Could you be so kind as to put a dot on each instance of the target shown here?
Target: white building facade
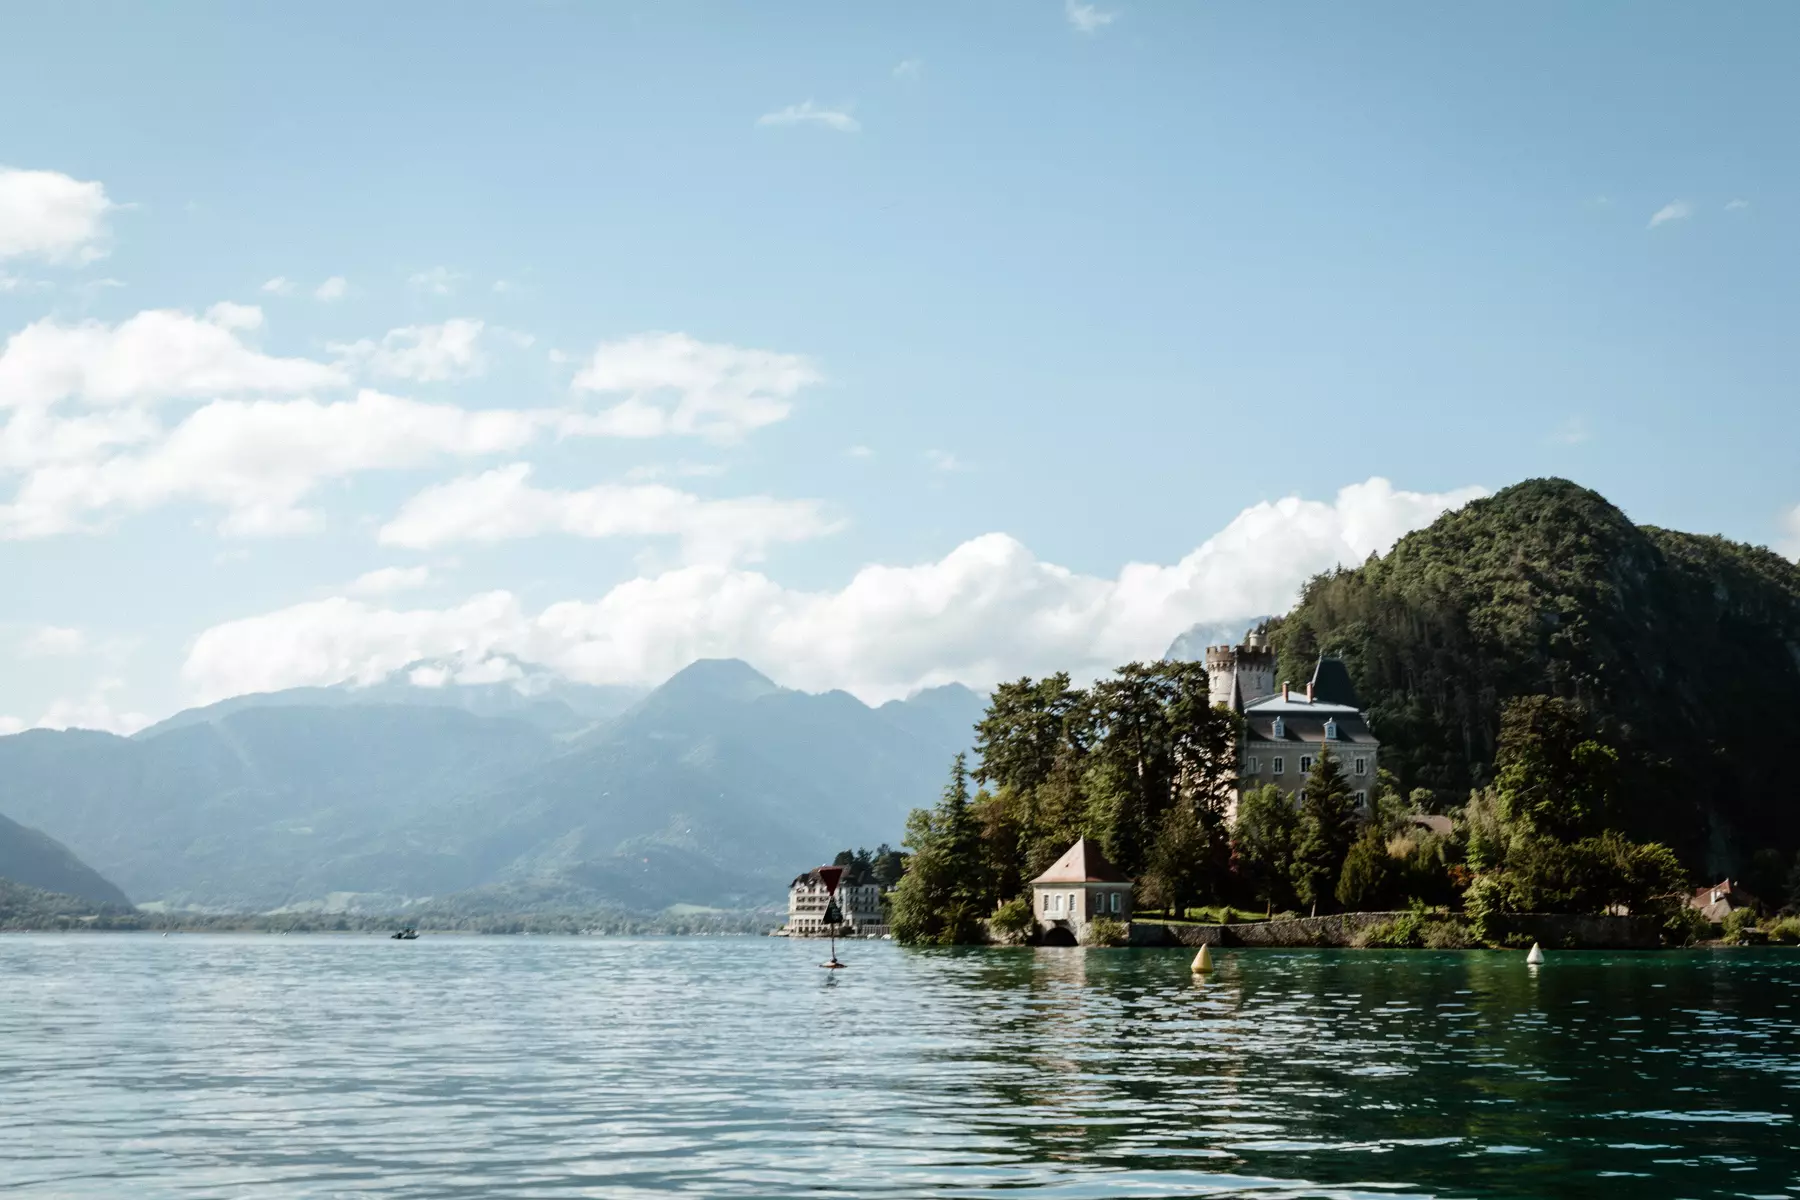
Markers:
(858, 904)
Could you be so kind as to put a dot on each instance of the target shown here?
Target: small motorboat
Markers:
(409, 934)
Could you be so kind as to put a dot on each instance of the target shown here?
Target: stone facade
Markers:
(1285, 728)
(1079, 888)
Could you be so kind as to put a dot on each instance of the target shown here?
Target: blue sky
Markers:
(875, 345)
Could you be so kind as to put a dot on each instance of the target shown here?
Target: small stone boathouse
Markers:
(1079, 887)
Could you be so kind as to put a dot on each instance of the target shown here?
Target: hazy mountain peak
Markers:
(724, 678)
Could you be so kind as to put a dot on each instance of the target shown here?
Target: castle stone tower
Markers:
(1251, 666)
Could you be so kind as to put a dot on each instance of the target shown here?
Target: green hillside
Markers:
(1685, 648)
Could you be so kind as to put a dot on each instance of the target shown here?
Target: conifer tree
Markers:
(1327, 828)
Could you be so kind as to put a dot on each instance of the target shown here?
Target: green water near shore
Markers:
(336, 1066)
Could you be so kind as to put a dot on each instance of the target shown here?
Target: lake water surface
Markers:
(282, 1067)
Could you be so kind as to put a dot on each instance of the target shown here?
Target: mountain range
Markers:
(713, 789)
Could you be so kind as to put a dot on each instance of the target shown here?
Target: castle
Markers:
(1285, 728)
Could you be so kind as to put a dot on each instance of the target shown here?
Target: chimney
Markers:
(1309, 688)
(1284, 688)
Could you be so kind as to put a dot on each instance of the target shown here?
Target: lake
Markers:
(279, 1067)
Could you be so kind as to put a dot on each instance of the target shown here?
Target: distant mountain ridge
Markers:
(36, 860)
(711, 789)
(525, 690)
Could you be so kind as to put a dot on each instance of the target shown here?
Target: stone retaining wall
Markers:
(1554, 930)
(1334, 930)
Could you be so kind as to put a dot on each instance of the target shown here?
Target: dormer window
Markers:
(1331, 731)
(1280, 728)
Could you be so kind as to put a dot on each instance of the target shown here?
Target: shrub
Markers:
(1104, 931)
(1685, 926)
(1418, 929)
(1739, 924)
(1785, 931)
(1012, 920)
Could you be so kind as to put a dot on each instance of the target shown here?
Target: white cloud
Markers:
(1676, 210)
(1736, 205)
(1572, 432)
(1085, 18)
(332, 289)
(11, 725)
(93, 711)
(54, 641)
(808, 113)
(860, 452)
(279, 286)
(908, 69)
(1790, 528)
(50, 216)
(389, 580)
(439, 281)
(501, 504)
(422, 353)
(156, 355)
(943, 460)
(988, 610)
(675, 384)
(259, 460)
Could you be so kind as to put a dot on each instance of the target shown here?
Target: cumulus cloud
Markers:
(438, 281)
(988, 610)
(259, 460)
(1086, 18)
(332, 289)
(676, 384)
(156, 355)
(808, 113)
(421, 353)
(388, 581)
(50, 216)
(95, 710)
(53, 641)
(1676, 210)
(1790, 529)
(502, 504)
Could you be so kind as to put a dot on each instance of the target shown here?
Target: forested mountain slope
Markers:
(1685, 648)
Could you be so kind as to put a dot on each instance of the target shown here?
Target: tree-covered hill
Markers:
(1684, 648)
(35, 860)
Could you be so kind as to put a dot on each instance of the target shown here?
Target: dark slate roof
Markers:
(1331, 682)
(1082, 863)
(1302, 728)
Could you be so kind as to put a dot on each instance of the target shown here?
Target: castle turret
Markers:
(1249, 670)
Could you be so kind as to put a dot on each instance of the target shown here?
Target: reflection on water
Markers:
(459, 1067)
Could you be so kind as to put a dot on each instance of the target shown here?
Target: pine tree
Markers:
(1368, 874)
(1327, 828)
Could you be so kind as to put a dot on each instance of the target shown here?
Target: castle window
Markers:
(1279, 763)
(1306, 762)
(1331, 731)
(1280, 728)
(1362, 766)
(1362, 799)
(1115, 902)
(1251, 766)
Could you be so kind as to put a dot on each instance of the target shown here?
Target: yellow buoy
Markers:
(1203, 960)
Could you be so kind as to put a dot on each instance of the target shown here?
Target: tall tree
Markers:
(1027, 725)
(1553, 777)
(1327, 828)
(939, 898)
(1262, 843)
